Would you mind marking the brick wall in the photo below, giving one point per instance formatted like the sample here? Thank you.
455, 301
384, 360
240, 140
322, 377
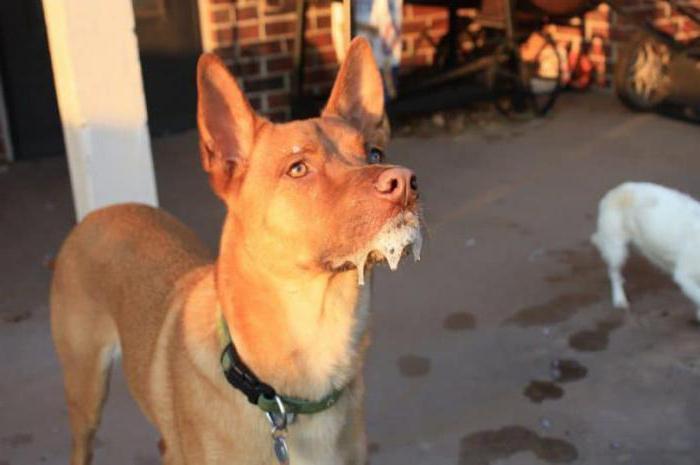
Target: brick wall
421, 28
256, 39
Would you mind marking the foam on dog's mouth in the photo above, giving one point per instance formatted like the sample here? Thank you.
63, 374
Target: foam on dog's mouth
389, 244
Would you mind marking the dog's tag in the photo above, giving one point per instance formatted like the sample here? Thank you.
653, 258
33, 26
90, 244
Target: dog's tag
279, 421
279, 445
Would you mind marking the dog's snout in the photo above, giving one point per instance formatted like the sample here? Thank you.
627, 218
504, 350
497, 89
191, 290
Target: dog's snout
397, 185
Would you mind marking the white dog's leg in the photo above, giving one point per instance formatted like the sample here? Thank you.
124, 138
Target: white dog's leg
618, 292
614, 252
689, 286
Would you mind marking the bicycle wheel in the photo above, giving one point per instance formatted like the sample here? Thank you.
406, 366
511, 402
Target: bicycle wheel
525, 84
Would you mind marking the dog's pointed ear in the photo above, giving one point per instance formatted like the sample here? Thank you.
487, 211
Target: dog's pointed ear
226, 122
358, 93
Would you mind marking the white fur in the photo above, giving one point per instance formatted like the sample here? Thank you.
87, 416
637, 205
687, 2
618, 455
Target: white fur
663, 224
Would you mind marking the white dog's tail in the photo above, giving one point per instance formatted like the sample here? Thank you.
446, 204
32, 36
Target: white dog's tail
611, 237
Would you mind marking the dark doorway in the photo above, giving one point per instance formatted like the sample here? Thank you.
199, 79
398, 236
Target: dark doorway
169, 45
28, 80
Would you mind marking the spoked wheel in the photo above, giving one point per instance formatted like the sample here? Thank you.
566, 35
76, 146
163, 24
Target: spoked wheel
641, 76
525, 83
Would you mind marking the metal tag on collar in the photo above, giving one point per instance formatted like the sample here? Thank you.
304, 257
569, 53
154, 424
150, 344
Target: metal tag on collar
279, 421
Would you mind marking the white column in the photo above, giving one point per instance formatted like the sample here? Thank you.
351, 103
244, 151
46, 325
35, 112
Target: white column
205, 26
97, 72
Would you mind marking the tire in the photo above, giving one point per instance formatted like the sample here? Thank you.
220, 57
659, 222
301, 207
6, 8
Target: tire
642, 72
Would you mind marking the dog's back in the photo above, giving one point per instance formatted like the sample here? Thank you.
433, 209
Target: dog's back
659, 221
118, 259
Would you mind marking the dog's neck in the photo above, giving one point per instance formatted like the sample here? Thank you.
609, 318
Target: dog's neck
300, 331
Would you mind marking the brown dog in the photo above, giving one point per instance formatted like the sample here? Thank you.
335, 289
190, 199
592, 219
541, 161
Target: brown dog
307, 202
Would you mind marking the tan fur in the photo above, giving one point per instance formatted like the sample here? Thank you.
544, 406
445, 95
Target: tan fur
131, 279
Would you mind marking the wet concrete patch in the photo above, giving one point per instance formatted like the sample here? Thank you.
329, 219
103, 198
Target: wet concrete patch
597, 339
556, 310
373, 448
16, 317
567, 371
487, 447
587, 271
18, 439
538, 391
587, 268
414, 366
459, 321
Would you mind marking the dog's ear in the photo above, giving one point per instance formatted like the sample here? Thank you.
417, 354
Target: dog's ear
358, 94
226, 122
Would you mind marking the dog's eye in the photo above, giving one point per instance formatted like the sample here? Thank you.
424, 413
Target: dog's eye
375, 156
298, 170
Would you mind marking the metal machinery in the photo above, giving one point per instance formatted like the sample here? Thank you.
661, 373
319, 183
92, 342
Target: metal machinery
502, 53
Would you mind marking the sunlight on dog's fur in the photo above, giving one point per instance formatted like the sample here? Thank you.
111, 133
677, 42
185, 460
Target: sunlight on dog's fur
663, 224
307, 202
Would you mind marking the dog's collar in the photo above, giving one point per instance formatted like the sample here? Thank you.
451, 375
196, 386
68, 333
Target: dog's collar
261, 394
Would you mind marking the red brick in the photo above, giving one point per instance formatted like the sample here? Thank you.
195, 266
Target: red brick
259, 49
319, 40
280, 28
223, 36
323, 22
441, 24
277, 100
246, 68
263, 84
247, 32
250, 12
220, 16
283, 63
316, 57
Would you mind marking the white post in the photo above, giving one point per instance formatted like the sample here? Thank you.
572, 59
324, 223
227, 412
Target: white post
96, 67
205, 26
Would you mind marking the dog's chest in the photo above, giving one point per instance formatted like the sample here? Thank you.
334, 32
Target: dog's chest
316, 439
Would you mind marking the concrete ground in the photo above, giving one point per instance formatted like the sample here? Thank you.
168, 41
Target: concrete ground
499, 347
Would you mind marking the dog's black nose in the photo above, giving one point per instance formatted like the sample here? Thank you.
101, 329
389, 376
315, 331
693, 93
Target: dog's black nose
398, 185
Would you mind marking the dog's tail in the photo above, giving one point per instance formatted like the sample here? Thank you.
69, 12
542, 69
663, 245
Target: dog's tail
611, 215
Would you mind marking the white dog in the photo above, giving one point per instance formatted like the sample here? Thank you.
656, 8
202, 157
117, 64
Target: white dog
662, 223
